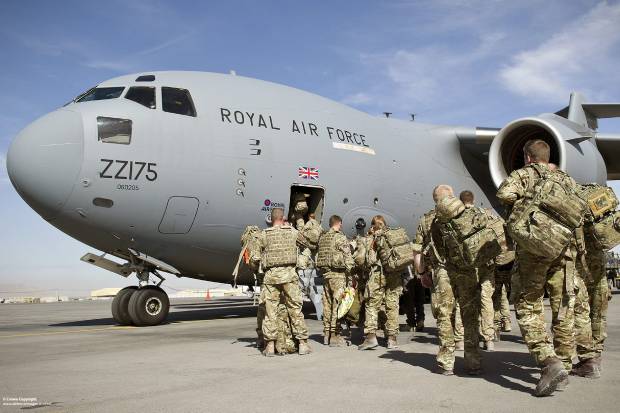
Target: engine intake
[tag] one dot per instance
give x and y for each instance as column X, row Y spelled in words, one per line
column 573, row 148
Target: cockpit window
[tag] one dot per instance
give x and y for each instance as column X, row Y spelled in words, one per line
column 101, row 93
column 143, row 95
column 177, row 101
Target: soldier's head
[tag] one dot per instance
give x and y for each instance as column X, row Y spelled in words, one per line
column 335, row 222
column 277, row 216
column 442, row 191
column 377, row 223
column 467, row 197
column 360, row 226
column 536, row 151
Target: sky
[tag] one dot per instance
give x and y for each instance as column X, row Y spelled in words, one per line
column 466, row 62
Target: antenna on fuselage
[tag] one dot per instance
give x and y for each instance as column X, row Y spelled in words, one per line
column 412, row 117
column 387, row 114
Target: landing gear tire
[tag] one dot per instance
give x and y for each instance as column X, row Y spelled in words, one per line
column 148, row 306
column 120, row 305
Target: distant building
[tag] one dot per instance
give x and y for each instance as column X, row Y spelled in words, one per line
column 213, row 292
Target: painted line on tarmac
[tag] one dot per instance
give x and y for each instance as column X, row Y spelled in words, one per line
column 84, row 330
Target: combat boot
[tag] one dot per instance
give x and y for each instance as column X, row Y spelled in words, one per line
column 270, row 349
column 562, row 385
column 370, row 342
column 419, row 326
column 304, row 348
column 440, row 370
column 336, row 340
column 506, row 327
column 589, row 368
column 489, row 345
column 552, row 373
column 392, row 343
column 260, row 343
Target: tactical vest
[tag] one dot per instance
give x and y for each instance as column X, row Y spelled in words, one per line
column 470, row 237
column 328, row 256
column 544, row 220
column 602, row 223
column 280, row 247
column 395, row 249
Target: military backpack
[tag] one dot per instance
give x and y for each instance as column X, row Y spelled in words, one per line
column 310, row 234
column 470, row 236
column 280, row 247
column 328, row 255
column 395, row 249
column 602, row 223
column 544, row 220
column 250, row 244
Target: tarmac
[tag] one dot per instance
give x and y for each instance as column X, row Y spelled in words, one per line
column 71, row 357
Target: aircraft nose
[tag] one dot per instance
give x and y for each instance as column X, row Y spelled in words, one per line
column 45, row 159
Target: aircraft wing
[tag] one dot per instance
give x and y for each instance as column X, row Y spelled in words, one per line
column 609, row 147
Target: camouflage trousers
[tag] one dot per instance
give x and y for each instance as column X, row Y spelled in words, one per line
column 284, row 342
column 487, row 314
column 459, row 332
column 466, row 284
column 382, row 289
column 500, row 299
column 558, row 277
column 443, row 307
column 332, row 290
column 596, row 311
column 289, row 294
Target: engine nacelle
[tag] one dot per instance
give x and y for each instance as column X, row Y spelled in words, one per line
column 573, row 148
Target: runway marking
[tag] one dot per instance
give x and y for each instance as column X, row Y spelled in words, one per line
column 83, row 330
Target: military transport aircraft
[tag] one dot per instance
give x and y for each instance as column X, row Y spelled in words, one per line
column 164, row 170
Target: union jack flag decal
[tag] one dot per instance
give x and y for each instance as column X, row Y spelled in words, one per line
column 308, row 173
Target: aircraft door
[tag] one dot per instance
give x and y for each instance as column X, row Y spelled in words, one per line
column 315, row 198
column 179, row 215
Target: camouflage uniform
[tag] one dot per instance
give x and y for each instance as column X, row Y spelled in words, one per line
column 335, row 280
column 310, row 282
column 503, row 271
column 281, row 284
column 382, row 288
column 535, row 274
column 443, row 303
column 591, row 304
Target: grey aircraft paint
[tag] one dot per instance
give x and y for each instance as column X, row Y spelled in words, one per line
column 184, row 187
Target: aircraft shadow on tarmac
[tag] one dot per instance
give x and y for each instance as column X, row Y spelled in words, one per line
column 499, row 367
column 207, row 310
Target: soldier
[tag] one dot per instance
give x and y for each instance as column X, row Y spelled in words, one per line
column 310, row 230
column 335, row 262
column 382, row 287
column 487, row 287
column 278, row 247
column 464, row 276
column 443, row 304
column 539, row 272
column 591, row 303
column 413, row 303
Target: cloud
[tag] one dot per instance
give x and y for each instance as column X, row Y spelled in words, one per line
column 573, row 57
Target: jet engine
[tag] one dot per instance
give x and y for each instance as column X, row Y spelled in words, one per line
column 573, row 148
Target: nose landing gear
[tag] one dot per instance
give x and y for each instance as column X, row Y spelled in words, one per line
column 147, row 305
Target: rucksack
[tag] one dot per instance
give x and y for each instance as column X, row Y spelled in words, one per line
column 310, row 234
column 602, row 220
column 470, row 236
column 544, row 220
column 395, row 249
column 328, row 256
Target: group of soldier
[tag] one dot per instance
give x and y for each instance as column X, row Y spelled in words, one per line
column 467, row 259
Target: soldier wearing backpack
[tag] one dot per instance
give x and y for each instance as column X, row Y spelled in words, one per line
column 443, row 303
column 395, row 253
column 544, row 212
column 469, row 241
column 487, row 286
column 277, row 254
column 335, row 262
column 601, row 233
